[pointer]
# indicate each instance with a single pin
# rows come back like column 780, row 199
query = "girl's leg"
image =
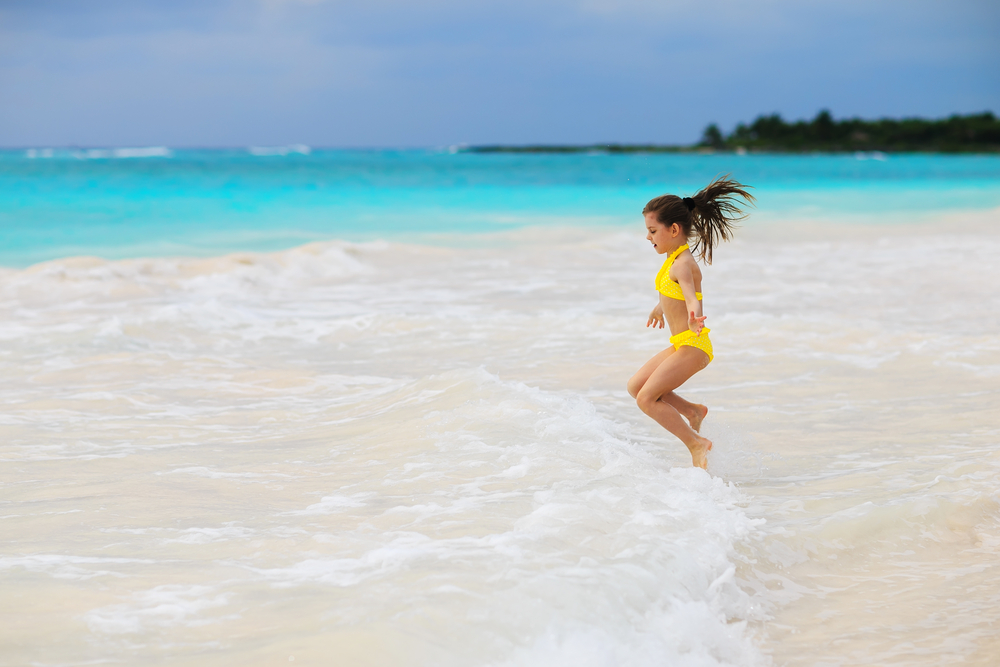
column 636, row 382
column 672, row 372
column 693, row 412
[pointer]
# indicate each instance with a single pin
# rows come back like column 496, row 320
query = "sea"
column 284, row 405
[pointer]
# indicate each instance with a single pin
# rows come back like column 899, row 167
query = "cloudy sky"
column 441, row 72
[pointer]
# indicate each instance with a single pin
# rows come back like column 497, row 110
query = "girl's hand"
column 656, row 318
column 696, row 324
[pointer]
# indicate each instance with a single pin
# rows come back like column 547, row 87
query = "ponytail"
column 708, row 218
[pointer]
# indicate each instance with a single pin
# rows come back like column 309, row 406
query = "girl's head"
column 703, row 221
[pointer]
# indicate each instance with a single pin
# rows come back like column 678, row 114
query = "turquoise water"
column 187, row 202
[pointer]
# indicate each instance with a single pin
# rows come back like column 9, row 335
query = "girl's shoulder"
column 685, row 263
column 685, row 260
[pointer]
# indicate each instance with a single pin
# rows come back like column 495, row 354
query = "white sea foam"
column 151, row 151
column 60, row 566
column 104, row 153
column 411, row 455
column 39, row 153
column 871, row 155
column 296, row 149
column 159, row 607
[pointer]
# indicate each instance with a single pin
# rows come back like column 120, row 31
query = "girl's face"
column 663, row 238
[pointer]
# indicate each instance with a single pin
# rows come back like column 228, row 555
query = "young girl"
column 672, row 223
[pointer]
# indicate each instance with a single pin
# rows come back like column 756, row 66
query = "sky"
column 411, row 73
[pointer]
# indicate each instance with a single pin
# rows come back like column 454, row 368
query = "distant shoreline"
column 658, row 148
column 974, row 133
column 605, row 149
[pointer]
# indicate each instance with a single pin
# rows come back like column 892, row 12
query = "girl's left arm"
column 685, row 278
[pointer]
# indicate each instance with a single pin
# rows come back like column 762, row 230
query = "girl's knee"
column 634, row 385
column 645, row 400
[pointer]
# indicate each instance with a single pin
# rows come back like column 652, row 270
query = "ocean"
column 284, row 405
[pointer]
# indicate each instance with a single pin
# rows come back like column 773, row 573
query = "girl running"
column 683, row 229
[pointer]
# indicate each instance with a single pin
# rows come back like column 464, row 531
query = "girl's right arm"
column 656, row 317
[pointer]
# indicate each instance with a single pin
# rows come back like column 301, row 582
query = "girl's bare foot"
column 697, row 417
column 699, row 451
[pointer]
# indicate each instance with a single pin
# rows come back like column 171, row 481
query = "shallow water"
column 121, row 204
column 389, row 454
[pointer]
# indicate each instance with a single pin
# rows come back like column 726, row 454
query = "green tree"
column 823, row 126
column 712, row 136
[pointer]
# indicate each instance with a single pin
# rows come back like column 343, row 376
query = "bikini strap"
column 677, row 253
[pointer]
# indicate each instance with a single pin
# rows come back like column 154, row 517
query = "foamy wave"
column 681, row 634
column 871, row 155
column 100, row 153
column 208, row 535
column 39, row 153
column 159, row 607
column 296, row 149
column 595, row 535
column 153, row 151
column 309, row 264
column 61, row 566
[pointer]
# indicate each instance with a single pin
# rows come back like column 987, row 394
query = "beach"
column 371, row 447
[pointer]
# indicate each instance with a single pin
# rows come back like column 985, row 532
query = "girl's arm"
column 685, row 278
column 656, row 317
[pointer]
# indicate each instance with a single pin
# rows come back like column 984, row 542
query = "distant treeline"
column 975, row 133
column 576, row 148
column 955, row 134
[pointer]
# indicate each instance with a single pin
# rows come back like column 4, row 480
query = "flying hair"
column 707, row 218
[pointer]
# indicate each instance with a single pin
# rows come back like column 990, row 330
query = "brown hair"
column 707, row 218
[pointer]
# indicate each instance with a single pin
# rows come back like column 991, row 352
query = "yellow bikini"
column 669, row 288
column 691, row 339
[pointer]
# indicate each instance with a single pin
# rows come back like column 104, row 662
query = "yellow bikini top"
column 666, row 286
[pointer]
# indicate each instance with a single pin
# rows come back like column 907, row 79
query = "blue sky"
column 441, row 72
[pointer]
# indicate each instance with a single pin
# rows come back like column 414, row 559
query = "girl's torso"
column 671, row 296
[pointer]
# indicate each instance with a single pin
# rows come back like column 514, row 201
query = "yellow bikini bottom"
column 702, row 342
